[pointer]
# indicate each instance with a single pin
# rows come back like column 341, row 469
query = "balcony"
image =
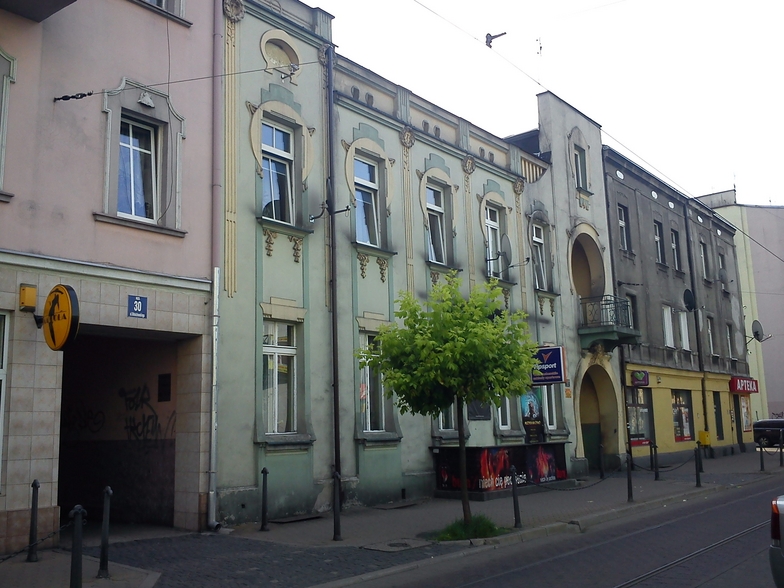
column 606, row 321
column 37, row 10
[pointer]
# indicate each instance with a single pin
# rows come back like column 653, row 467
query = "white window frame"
column 704, row 259
column 271, row 152
column 632, row 300
column 658, row 240
column 623, row 226
column 504, row 414
column 4, row 329
column 730, row 347
column 366, row 394
column 709, row 328
column 669, row 339
column 493, row 230
column 436, row 221
column 684, row 322
column 676, row 249
column 538, row 252
column 173, row 7
column 273, row 351
column 550, row 406
column 366, row 192
column 7, row 77
column 446, row 415
column 135, row 152
column 580, row 168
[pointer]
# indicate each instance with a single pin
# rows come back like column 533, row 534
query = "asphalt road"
column 719, row 541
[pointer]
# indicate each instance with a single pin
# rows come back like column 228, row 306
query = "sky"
column 687, row 89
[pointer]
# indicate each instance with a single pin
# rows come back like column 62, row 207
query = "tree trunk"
column 463, row 468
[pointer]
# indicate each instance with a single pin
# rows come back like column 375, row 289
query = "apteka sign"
column 550, row 365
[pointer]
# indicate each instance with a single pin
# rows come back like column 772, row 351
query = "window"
column 3, row 378
column 580, row 169
column 550, row 400
column 704, row 259
column 7, row 75
column 676, row 249
column 493, row 228
column 623, row 227
column 279, row 377
column 709, row 326
column 277, row 195
column 504, row 419
column 538, row 252
column 171, row 6
column 632, row 318
column 371, row 395
column 639, row 415
column 435, row 219
column 669, row 340
column 446, row 420
column 684, row 320
column 138, row 179
column 722, row 272
column 730, row 349
column 681, row 414
column 366, row 188
column 657, row 238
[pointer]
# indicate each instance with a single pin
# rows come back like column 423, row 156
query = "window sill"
column 707, row 282
column 679, row 273
column 373, row 250
column 509, row 433
column 379, row 438
column 628, row 253
column 5, row 196
column 725, row 293
column 133, row 224
column 584, row 191
column 442, row 267
column 287, row 441
column 162, row 12
column 284, row 228
column 662, row 267
column 501, row 281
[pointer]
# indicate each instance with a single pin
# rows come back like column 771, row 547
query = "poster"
column 745, row 412
column 531, row 408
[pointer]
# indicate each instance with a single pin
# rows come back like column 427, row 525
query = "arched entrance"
column 599, row 418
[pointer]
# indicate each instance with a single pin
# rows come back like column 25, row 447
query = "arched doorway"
column 599, row 418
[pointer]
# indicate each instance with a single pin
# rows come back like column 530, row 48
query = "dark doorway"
column 717, row 413
column 738, row 421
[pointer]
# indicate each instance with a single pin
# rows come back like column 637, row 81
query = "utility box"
column 704, row 438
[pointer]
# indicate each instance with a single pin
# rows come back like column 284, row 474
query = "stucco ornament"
column 234, row 10
column 518, row 186
column 407, row 137
column 469, row 164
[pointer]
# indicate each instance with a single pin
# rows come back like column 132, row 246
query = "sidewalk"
column 394, row 533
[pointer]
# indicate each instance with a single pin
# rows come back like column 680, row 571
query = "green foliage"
column 470, row 348
column 480, row 527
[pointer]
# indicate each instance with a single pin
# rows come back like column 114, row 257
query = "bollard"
column 699, row 456
column 32, row 550
column 655, row 462
column 762, row 457
column 697, row 466
column 336, row 506
column 629, row 488
column 103, row 568
column 601, row 461
column 650, row 451
column 781, row 447
column 264, row 525
column 77, row 515
column 517, row 524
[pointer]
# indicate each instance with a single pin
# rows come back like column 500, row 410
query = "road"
column 719, row 541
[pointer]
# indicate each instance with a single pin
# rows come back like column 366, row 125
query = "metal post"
column 264, row 525
column 77, row 515
column 697, row 466
column 336, row 506
column 629, row 488
column 762, row 457
column 103, row 568
column 650, row 451
column 781, row 447
column 601, row 461
column 655, row 462
column 32, row 550
column 517, row 523
column 699, row 456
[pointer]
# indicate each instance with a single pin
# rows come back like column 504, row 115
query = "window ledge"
column 509, row 433
column 662, row 267
column 584, row 191
column 162, row 12
column 679, row 273
column 5, row 196
column 442, row 267
column 284, row 228
column 133, row 224
column 725, row 293
column 379, row 438
column 501, row 281
column 373, row 250
column 707, row 282
column 628, row 253
column 286, row 441
column 548, row 293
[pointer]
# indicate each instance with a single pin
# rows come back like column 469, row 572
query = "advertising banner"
column 550, row 365
column 531, row 406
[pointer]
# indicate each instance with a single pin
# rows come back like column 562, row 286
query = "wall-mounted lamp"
column 28, row 295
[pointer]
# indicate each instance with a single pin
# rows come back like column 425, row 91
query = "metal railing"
column 605, row 311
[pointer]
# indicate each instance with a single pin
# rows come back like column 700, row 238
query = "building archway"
column 599, row 418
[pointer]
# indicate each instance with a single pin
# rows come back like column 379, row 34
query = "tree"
column 453, row 349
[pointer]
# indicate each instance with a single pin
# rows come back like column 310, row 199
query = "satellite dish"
column 723, row 276
column 756, row 330
column 506, row 251
column 688, row 300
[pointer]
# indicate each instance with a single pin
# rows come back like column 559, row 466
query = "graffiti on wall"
column 78, row 420
column 142, row 423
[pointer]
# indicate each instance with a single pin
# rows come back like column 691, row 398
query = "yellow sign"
column 61, row 317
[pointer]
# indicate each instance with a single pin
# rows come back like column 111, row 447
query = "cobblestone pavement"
column 222, row 560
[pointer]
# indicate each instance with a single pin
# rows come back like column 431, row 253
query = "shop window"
column 682, row 415
column 639, row 415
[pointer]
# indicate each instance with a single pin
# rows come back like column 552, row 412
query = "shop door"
column 738, row 420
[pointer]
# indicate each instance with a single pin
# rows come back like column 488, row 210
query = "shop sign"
column 639, row 379
column 550, row 365
column 61, row 317
column 741, row 385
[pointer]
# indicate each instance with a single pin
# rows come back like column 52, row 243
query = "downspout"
column 217, row 198
column 333, row 266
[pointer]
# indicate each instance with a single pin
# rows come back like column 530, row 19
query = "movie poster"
column 546, row 463
column 531, row 405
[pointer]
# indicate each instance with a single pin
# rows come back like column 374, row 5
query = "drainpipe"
column 217, row 199
column 331, row 209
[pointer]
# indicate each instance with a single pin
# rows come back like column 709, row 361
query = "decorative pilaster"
column 407, row 139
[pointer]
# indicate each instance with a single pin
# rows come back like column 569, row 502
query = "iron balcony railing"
column 609, row 311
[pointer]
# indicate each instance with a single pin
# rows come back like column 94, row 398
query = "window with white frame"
column 137, row 187
column 623, row 228
column 367, row 215
column 446, row 419
column 669, row 340
column 436, row 220
column 704, row 259
column 580, row 168
column 722, row 266
column 493, row 229
column 675, row 243
column 633, row 320
column 550, row 402
column 730, row 348
column 277, row 159
column 371, row 394
column 538, row 252
column 504, row 414
column 709, row 328
column 171, row 6
column 659, row 242
column 3, row 378
column 7, row 76
column 280, row 376
column 684, row 322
